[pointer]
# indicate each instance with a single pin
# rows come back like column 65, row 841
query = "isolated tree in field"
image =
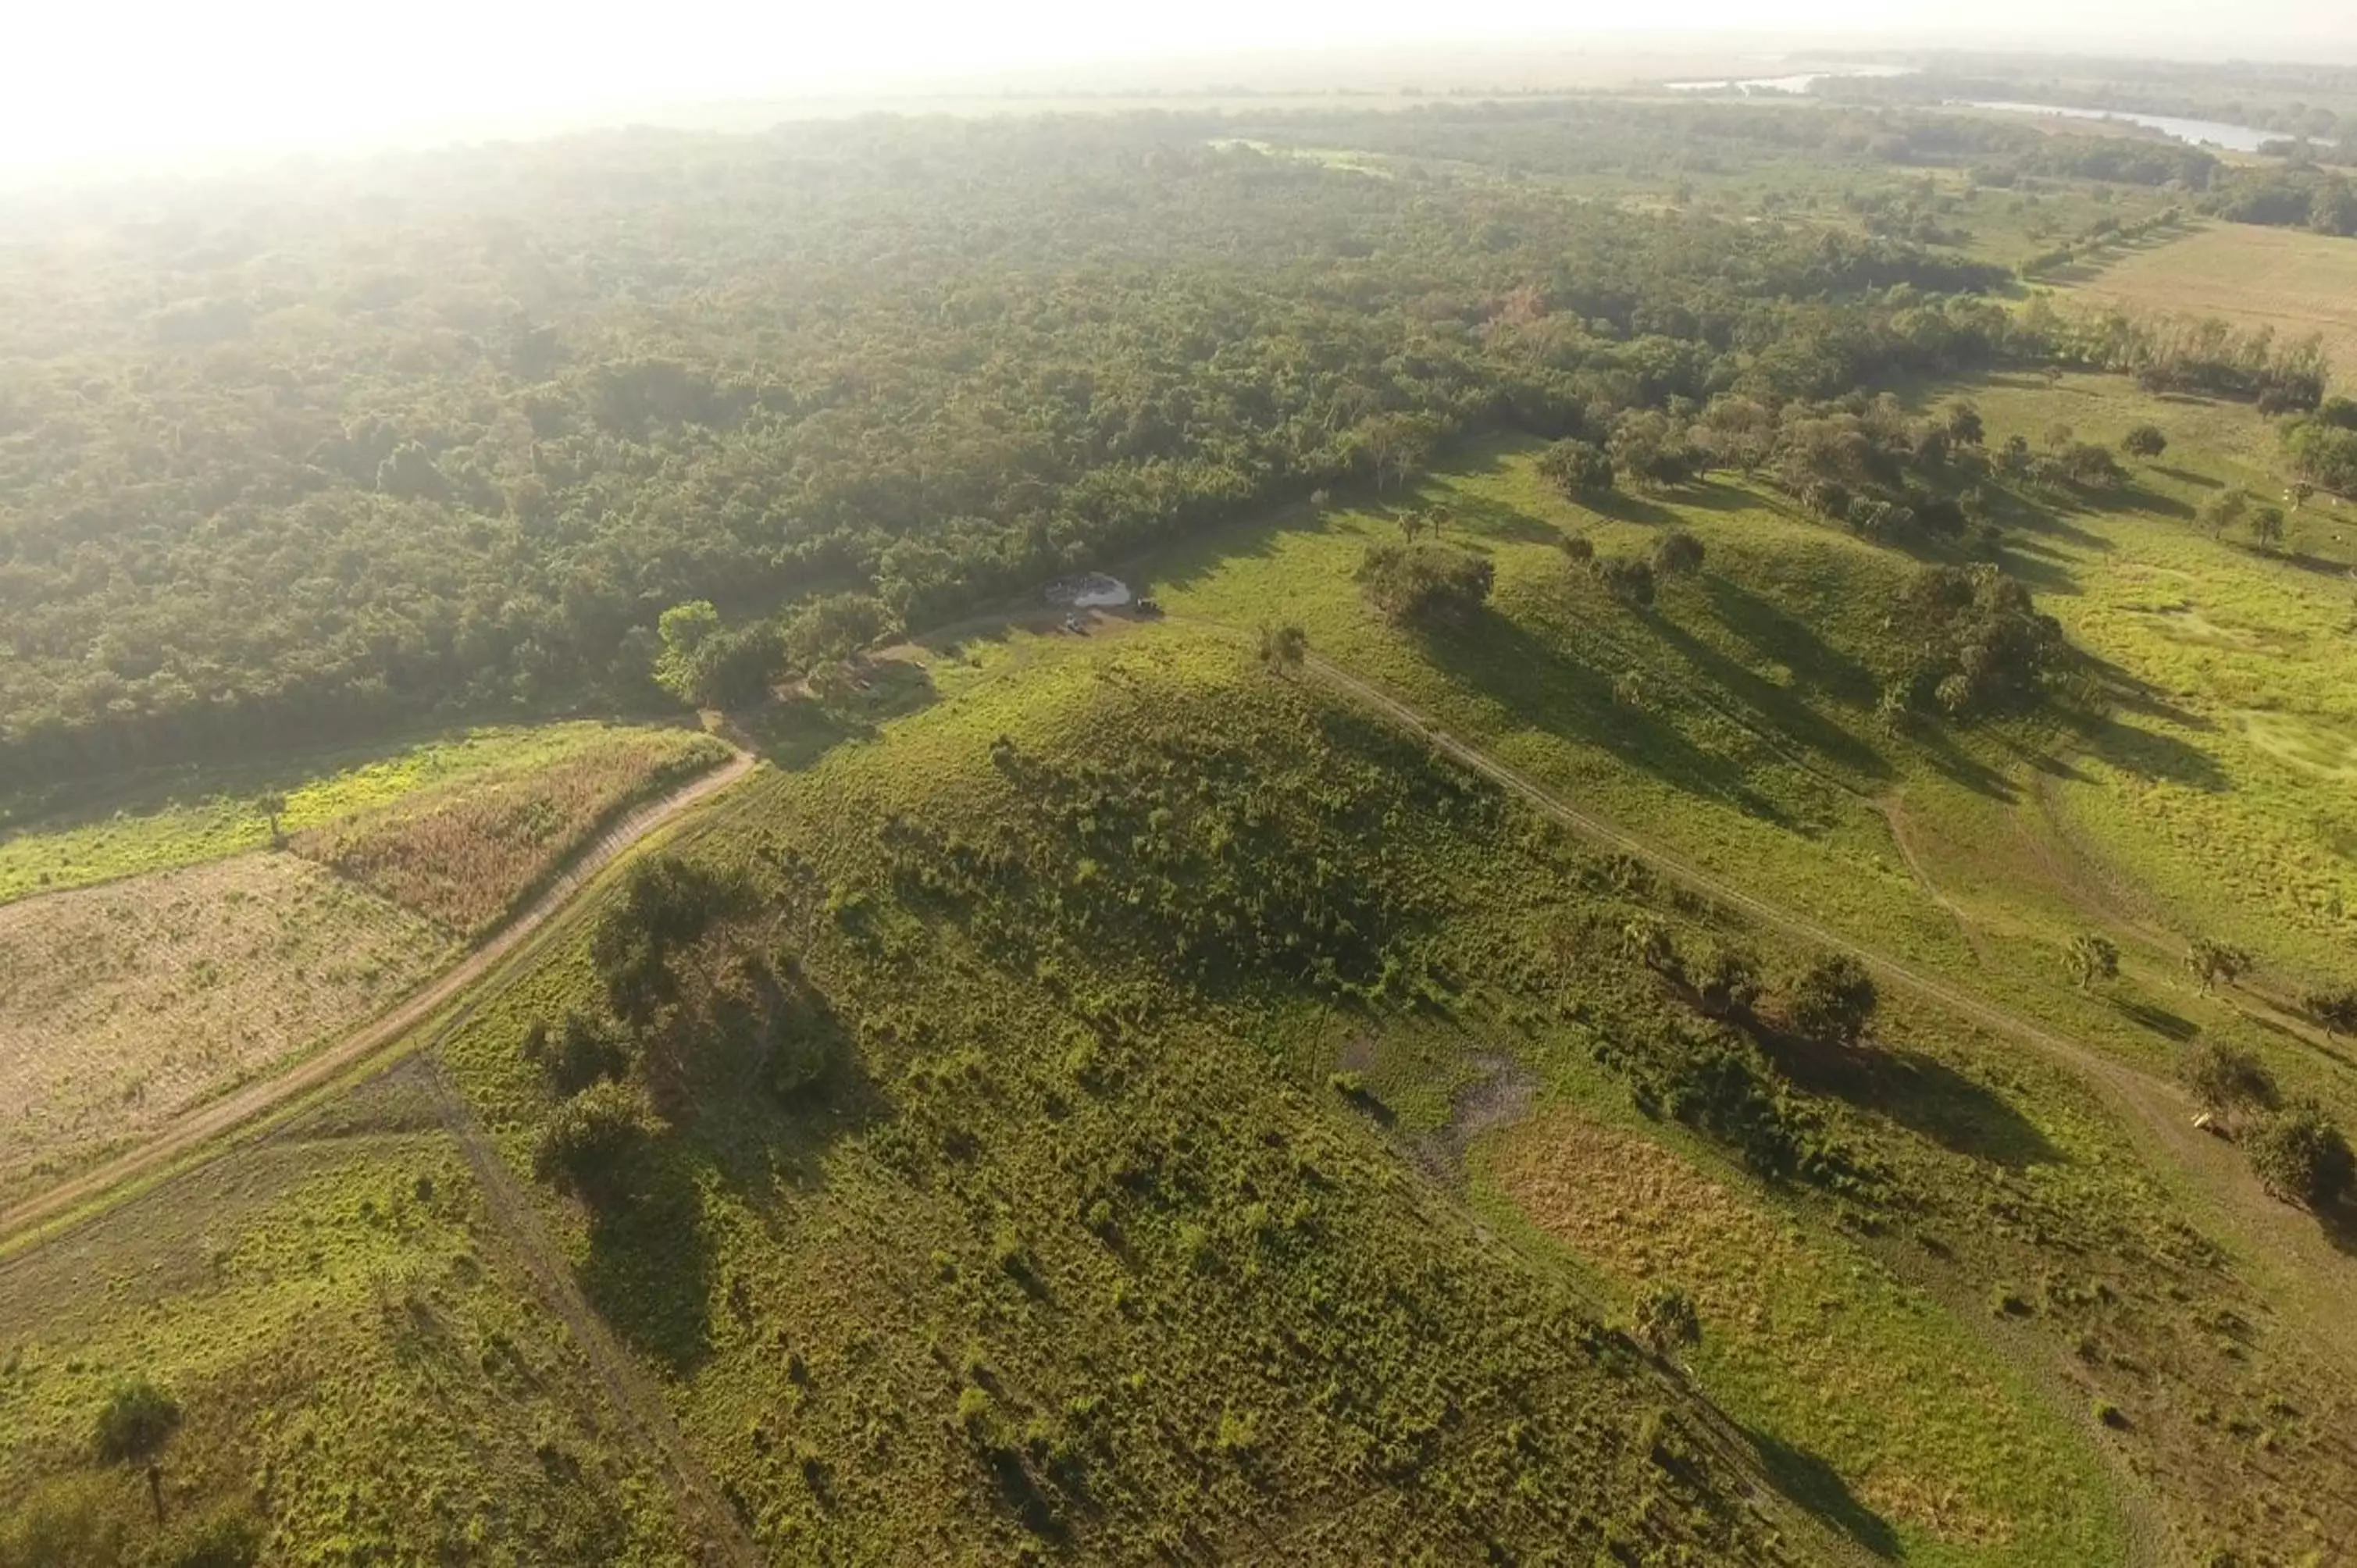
column 587, row 1145
column 2224, row 509
column 1578, row 549
column 2301, row 1156
column 2214, row 963
column 2144, row 441
column 2092, row 960
column 1963, row 423
column 2334, row 1007
column 2226, row 1079
column 2267, row 526
column 1575, row 467
column 1666, row 1322
column 2058, row 436
column 1832, row 1001
column 1679, row 555
column 1424, row 583
column 273, row 805
column 134, row 1422
column 2299, row 490
column 1283, row 647
column 1626, row 578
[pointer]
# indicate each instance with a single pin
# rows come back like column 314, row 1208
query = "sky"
column 114, row 81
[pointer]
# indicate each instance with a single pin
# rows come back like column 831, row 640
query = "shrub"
column 230, row 1538
column 1727, row 981
column 2092, row 959
column 584, row 1051
column 2302, row 1156
column 134, row 1421
column 1833, row 1000
column 1424, row 583
column 1626, row 578
column 1572, row 466
column 2225, row 1079
column 1679, row 555
column 1578, row 548
column 1666, row 1321
column 2145, row 441
column 587, row 1145
column 2333, row 1007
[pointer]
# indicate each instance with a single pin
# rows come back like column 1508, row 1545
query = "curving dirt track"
column 2317, row 1279
column 215, row 1118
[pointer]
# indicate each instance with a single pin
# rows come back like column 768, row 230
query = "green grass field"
column 184, row 817
column 360, row 1374
column 1121, row 1103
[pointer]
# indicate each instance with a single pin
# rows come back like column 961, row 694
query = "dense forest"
column 440, row 434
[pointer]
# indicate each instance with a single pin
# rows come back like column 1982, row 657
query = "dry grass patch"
column 122, row 1006
column 2289, row 279
column 1817, row 1346
column 466, row 855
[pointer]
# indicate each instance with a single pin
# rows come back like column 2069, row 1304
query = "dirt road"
column 215, row 1118
column 2314, row 1276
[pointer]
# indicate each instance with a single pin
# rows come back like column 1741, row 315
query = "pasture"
column 2291, row 280
column 173, row 817
column 361, row 1370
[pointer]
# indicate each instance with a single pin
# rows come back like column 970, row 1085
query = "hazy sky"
column 106, row 78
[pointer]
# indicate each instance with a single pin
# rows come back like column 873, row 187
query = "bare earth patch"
column 122, row 1005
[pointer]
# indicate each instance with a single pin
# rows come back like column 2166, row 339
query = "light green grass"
column 195, row 815
column 360, row 1370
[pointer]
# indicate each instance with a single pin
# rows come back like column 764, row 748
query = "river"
column 2199, row 132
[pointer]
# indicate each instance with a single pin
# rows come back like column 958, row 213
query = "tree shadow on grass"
column 795, row 731
column 1921, row 1093
column 1623, row 507
column 1774, row 708
column 2148, row 754
column 2187, row 476
column 650, row 1270
column 2168, row 1026
column 1818, row 1488
column 1465, row 513
column 651, row 1266
column 1501, row 661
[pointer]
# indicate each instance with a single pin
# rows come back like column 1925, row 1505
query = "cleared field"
column 183, row 817
column 120, row 1005
column 465, row 853
column 2289, row 279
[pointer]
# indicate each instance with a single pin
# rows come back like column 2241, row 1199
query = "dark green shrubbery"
column 588, row 1142
column 2302, row 1156
column 1425, row 584
column 134, row 1422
